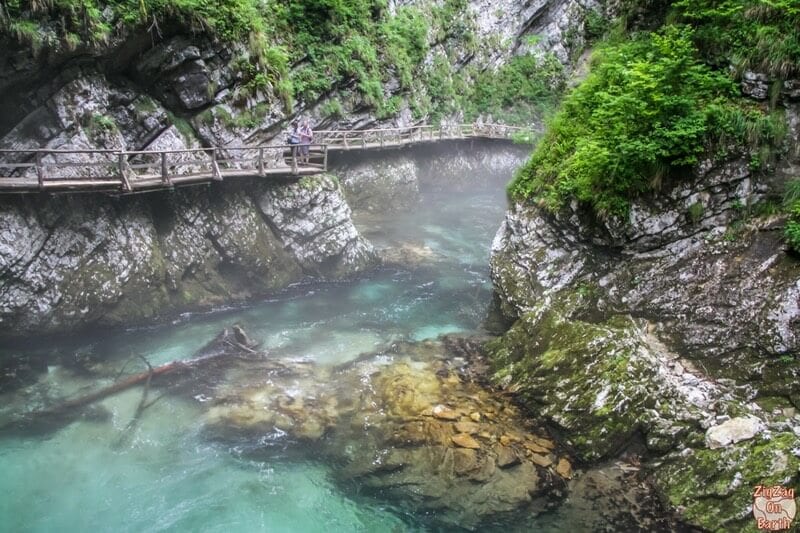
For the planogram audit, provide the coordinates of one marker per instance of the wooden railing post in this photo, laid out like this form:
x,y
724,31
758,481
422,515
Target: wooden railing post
x,y
345,139
294,161
41,173
164,170
325,157
123,176
261,162
380,135
215,173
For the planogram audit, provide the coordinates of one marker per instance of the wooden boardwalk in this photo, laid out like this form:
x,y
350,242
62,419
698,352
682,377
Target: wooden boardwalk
x,y
126,172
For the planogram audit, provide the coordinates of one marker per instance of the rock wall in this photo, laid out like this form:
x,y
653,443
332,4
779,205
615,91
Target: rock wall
x,y
70,261
655,332
146,83
73,261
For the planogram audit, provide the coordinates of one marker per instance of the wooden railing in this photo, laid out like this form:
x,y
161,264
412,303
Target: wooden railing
x,y
131,171
125,171
389,137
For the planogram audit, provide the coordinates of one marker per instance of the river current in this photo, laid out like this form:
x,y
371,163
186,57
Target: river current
x,y
97,474
111,471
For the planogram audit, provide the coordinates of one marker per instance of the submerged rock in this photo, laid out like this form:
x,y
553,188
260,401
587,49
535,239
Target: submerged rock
x,y
464,440
408,255
440,411
398,426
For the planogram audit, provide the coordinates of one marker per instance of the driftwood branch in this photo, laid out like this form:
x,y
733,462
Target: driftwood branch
x,y
214,351
142,403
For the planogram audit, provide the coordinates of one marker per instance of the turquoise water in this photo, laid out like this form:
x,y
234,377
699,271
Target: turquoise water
x,y
96,474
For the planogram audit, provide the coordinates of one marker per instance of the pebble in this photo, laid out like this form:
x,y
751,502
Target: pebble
x,y
536,448
544,443
464,440
564,469
444,413
541,460
467,427
506,457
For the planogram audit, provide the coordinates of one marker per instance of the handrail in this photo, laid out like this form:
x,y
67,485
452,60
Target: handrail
x,y
137,170
59,151
426,126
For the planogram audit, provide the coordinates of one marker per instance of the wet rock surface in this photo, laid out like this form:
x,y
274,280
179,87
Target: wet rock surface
x,y
391,180
76,260
313,221
675,331
381,185
728,297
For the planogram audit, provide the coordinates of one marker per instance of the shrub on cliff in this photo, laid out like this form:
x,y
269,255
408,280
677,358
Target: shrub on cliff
x,y
760,35
792,204
645,108
655,101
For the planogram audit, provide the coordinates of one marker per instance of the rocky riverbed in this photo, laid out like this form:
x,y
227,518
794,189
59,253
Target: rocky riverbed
x,y
418,424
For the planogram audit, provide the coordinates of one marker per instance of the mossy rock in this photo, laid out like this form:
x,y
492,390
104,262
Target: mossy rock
x,y
598,382
713,489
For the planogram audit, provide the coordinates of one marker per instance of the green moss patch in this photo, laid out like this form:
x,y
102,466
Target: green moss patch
x,y
714,488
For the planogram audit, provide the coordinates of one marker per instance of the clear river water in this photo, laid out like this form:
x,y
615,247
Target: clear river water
x,y
164,474
94,475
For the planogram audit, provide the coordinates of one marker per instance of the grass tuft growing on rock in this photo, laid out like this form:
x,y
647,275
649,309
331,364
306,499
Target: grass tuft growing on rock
x,y
792,205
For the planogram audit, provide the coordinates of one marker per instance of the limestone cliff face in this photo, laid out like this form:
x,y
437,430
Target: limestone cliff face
x,y
143,82
659,328
71,261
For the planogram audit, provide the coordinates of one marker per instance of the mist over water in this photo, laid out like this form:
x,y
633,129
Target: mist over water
x,y
95,475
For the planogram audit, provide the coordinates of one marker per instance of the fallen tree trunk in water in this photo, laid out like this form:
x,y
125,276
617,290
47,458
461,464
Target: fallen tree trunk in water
x,y
215,350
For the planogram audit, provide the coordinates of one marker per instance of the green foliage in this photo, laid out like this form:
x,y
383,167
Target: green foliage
x,y
644,110
523,88
182,125
311,49
248,119
98,125
595,25
389,107
754,34
405,39
792,206
695,212
438,82
332,108
449,19
26,32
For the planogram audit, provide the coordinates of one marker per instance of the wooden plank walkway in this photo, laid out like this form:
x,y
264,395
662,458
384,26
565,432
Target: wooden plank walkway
x,y
126,172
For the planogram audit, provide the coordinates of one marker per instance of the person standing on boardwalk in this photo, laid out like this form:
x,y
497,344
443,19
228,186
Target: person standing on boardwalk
x,y
306,136
294,138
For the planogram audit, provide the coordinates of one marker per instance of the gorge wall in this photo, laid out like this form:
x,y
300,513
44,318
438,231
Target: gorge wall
x,y
70,261
671,334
